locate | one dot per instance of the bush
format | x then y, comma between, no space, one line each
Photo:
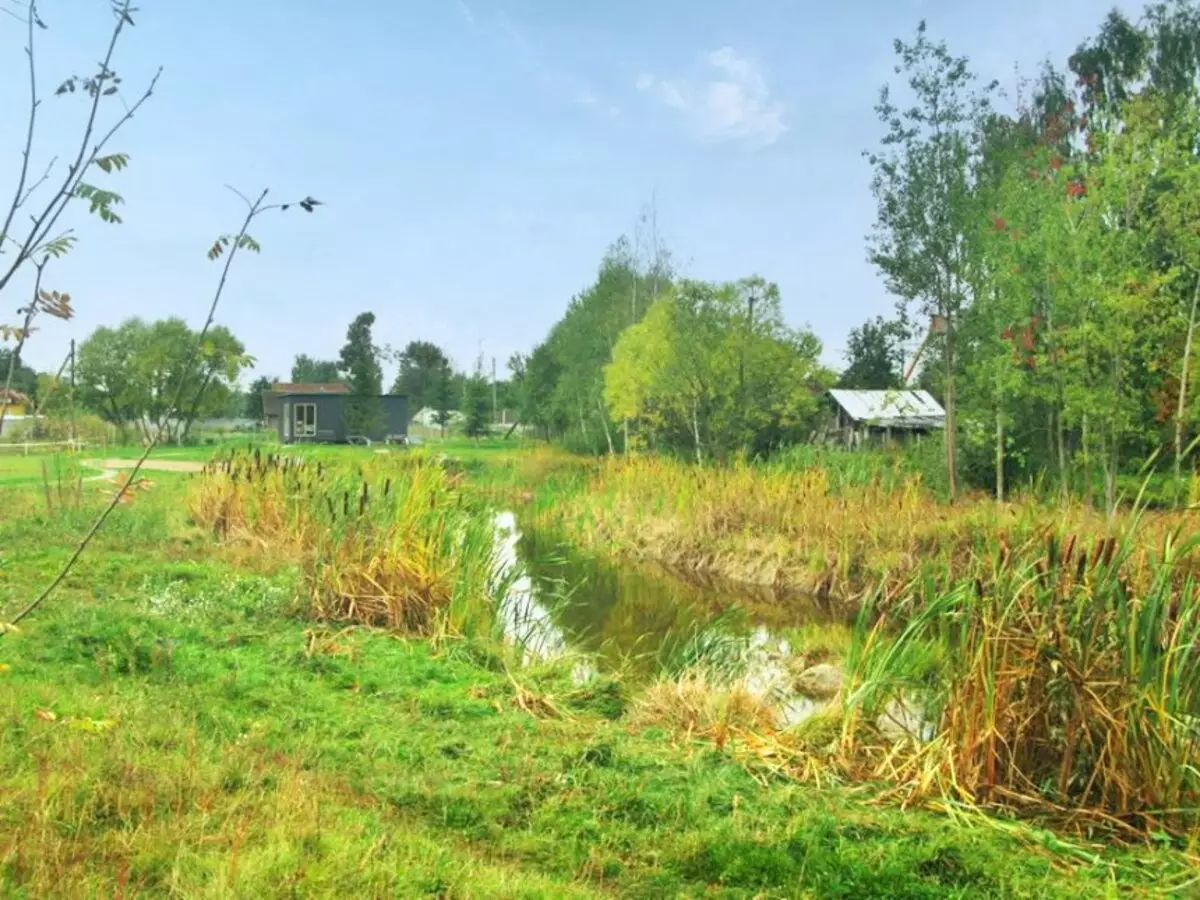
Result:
88,428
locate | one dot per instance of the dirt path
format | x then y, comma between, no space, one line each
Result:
150,465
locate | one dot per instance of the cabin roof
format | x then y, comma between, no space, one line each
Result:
891,409
284,387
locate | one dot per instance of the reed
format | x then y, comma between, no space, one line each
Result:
390,542
841,533
1067,683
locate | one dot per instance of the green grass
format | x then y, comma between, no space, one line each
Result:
172,724
206,753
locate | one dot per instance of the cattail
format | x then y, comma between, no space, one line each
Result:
363,499
1110,550
329,503
387,487
346,504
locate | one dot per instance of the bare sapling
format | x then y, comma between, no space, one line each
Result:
43,199
241,240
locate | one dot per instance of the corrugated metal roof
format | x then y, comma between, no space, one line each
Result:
891,409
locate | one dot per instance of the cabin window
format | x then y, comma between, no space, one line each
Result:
305,419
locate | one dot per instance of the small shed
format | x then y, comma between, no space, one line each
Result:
273,399
900,414
320,417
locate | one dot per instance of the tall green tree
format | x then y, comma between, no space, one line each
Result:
24,378
714,369
875,355
306,370
924,187
423,366
129,375
253,408
477,402
360,361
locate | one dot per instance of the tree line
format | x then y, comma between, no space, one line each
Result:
1053,245
644,358
1043,253
128,375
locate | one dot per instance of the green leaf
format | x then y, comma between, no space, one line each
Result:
113,162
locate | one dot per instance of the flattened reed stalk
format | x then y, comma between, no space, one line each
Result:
1070,684
410,556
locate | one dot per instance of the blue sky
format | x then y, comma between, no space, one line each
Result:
477,156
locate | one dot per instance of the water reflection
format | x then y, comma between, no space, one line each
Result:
526,621
632,616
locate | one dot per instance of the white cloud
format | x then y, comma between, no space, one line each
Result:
731,103
467,13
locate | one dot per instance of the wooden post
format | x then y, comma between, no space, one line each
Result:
74,436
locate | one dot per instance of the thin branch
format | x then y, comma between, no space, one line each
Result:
44,223
31,126
30,312
245,199
37,184
255,209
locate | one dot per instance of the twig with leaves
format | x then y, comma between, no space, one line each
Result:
50,302
40,242
232,243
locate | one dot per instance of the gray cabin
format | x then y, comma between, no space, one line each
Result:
320,417
273,399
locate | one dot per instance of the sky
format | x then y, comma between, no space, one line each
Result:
476,157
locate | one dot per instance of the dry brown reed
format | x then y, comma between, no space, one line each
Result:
391,542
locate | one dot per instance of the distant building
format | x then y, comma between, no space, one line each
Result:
859,416
427,417
320,417
14,402
16,411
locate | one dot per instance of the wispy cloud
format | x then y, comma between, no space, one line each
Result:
467,13
570,88
731,102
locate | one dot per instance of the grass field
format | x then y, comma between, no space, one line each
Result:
176,722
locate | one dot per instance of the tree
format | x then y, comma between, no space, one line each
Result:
922,242
423,366
713,368
24,379
132,374
253,407
306,370
360,361
875,355
477,402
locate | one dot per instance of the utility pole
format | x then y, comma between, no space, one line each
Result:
74,435
493,390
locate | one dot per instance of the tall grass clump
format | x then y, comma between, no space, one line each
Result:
389,542
839,526
1070,682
